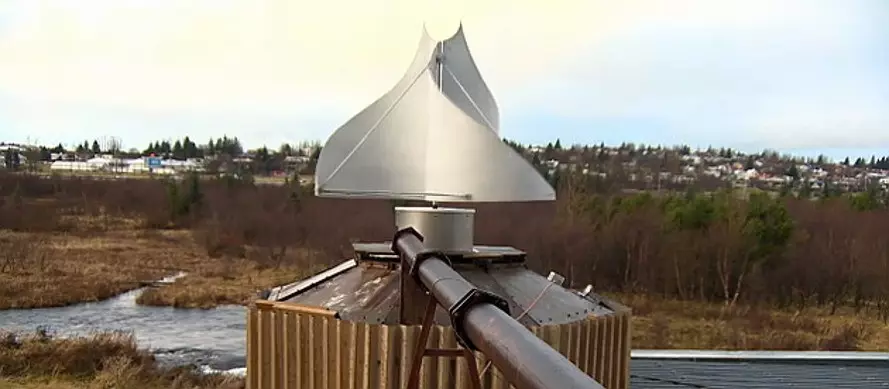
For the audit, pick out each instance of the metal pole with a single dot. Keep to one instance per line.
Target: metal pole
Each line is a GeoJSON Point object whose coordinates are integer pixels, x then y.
{"type": "Point", "coordinates": [481, 322]}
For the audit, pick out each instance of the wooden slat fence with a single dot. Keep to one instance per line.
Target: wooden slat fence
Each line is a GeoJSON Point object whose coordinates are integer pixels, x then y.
{"type": "Point", "coordinates": [296, 347]}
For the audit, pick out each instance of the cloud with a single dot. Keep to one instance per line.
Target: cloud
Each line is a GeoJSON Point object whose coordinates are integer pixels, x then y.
{"type": "Point", "coordinates": [796, 73]}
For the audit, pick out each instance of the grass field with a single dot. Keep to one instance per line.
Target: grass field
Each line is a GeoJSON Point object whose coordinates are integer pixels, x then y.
{"type": "Point", "coordinates": [102, 259]}
{"type": "Point", "coordinates": [670, 324]}
{"type": "Point", "coordinates": [100, 361]}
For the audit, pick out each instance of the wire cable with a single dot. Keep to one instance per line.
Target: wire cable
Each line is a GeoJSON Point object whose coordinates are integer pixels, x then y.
{"type": "Point", "coordinates": [525, 312]}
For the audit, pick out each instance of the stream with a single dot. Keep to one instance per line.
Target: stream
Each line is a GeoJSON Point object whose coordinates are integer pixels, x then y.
{"type": "Point", "coordinates": [213, 339]}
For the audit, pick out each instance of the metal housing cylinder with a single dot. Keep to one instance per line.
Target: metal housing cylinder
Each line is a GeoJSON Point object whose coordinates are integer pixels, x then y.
{"type": "Point", "coordinates": [449, 230]}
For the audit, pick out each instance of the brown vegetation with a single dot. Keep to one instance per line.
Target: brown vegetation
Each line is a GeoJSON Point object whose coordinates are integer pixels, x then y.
{"type": "Point", "coordinates": [100, 361]}
{"type": "Point", "coordinates": [819, 268]}
{"type": "Point", "coordinates": [660, 323]}
{"type": "Point", "coordinates": [43, 270]}
{"type": "Point", "coordinates": [222, 282]}
{"type": "Point", "coordinates": [46, 270]}
{"type": "Point", "coordinates": [66, 240]}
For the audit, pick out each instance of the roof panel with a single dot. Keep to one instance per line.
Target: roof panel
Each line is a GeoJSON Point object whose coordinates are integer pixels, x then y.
{"type": "Point", "coordinates": [556, 306]}
{"type": "Point", "coordinates": [364, 293]}
{"type": "Point", "coordinates": [369, 292]}
{"type": "Point", "coordinates": [656, 374]}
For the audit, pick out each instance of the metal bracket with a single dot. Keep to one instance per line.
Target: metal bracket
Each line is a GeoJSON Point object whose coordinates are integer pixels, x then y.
{"type": "Point", "coordinates": [421, 256]}
{"type": "Point", "coordinates": [420, 351]}
{"type": "Point", "coordinates": [405, 231]}
{"type": "Point", "coordinates": [472, 298]}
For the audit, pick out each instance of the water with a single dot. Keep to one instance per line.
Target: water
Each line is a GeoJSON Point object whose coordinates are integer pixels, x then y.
{"type": "Point", "coordinates": [211, 338]}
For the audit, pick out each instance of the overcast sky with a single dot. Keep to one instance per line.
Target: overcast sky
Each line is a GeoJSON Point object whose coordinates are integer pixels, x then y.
{"type": "Point", "coordinates": [799, 76]}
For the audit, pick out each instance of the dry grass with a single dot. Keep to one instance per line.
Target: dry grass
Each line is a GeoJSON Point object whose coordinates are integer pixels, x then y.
{"type": "Point", "coordinates": [670, 324]}
{"type": "Point", "coordinates": [100, 361]}
{"type": "Point", "coordinates": [106, 257]}
{"type": "Point", "coordinates": [57, 269]}
{"type": "Point", "coordinates": [219, 282]}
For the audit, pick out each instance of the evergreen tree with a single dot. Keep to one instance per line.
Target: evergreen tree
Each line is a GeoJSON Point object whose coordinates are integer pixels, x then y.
{"type": "Point", "coordinates": [792, 172]}
{"type": "Point", "coordinates": [178, 152]}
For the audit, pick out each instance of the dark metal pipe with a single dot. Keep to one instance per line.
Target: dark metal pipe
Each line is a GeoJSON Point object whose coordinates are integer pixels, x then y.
{"type": "Point", "coordinates": [450, 286]}
{"type": "Point", "coordinates": [526, 361]}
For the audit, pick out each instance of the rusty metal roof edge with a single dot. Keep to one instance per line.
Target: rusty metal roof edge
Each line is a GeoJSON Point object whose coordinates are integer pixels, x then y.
{"type": "Point", "coordinates": [857, 358]}
{"type": "Point", "coordinates": [290, 290]}
{"type": "Point", "coordinates": [610, 303]}
{"type": "Point", "coordinates": [399, 325]}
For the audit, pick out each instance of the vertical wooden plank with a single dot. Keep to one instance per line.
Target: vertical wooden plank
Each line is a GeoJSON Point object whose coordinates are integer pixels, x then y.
{"type": "Point", "coordinates": [361, 356]}
{"type": "Point", "coordinates": [313, 366]}
{"type": "Point", "coordinates": [565, 340]}
{"type": "Point", "coordinates": [626, 321]}
{"type": "Point", "coordinates": [615, 359]}
{"type": "Point", "coordinates": [570, 342]}
{"type": "Point", "coordinates": [349, 335]}
{"type": "Point", "coordinates": [583, 343]}
{"type": "Point", "coordinates": [609, 341]}
{"type": "Point", "coordinates": [373, 365]}
{"type": "Point", "coordinates": [384, 350]}
{"type": "Point", "coordinates": [305, 351]}
{"type": "Point", "coordinates": [396, 338]}
{"type": "Point", "coordinates": [322, 330]}
{"type": "Point", "coordinates": [618, 351]}
{"type": "Point", "coordinates": [600, 349]}
{"type": "Point", "coordinates": [278, 348]}
{"type": "Point", "coordinates": [317, 351]}
{"type": "Point", "coordinates": [292, 340]}
{"type": "Point", "coordinates": [411, 333]}
{"type": "Point", "coordinates": [334, 349]}
{"type": "Point", "coordinates": [603, 350]}
{"type": "Point", "coordinates": [628, 328]}
{"type": "Point", "coordinates": [285, 346]}
{"type": "Point", "coordinates": [252, 348]}
{"type": "Point", "coordinates": [265, 349]}
{"type": "Point", "coordinates": [553, 337]}
{"type": "Point", "coordinates": [576, 345]}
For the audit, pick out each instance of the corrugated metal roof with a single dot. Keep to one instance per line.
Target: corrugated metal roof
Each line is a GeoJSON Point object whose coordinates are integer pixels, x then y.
{"type": "Point", "coordinates": [677, 374]}
{"type": "Point", "coordinates": [880, 359]}
{"type": "Point", "coordinates": [369, 291]}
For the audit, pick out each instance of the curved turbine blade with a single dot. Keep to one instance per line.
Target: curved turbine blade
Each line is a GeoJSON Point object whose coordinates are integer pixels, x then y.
{"type": "Point", "coordinates": [434, 136]}
{"type": "Point", "coordinates": [462, 83]}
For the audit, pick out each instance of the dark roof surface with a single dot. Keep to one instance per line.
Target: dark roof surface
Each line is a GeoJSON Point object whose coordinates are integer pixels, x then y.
{"type": "Point", "coordinates": [368, 291]}
{"type": "Point", "coordinates": [678, 374]}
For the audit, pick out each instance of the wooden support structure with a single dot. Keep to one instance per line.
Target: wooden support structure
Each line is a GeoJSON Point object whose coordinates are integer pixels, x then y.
{"type": "Point", "coordinates": [287, 344]}
{"type": "Point", "coordinates": [420, 351]}
{"type": "Point", "coordinates": [297, 308]}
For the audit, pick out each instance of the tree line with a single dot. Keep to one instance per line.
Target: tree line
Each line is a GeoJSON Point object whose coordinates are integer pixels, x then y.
{"type": "Point", "coordinates": [186, 148]}
{"type": "Point", "coordinates": [722, 246]}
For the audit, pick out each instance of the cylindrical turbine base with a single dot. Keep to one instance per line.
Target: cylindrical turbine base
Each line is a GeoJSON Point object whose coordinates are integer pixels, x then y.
{"type": "Point", "coordinates": [448, 230]}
